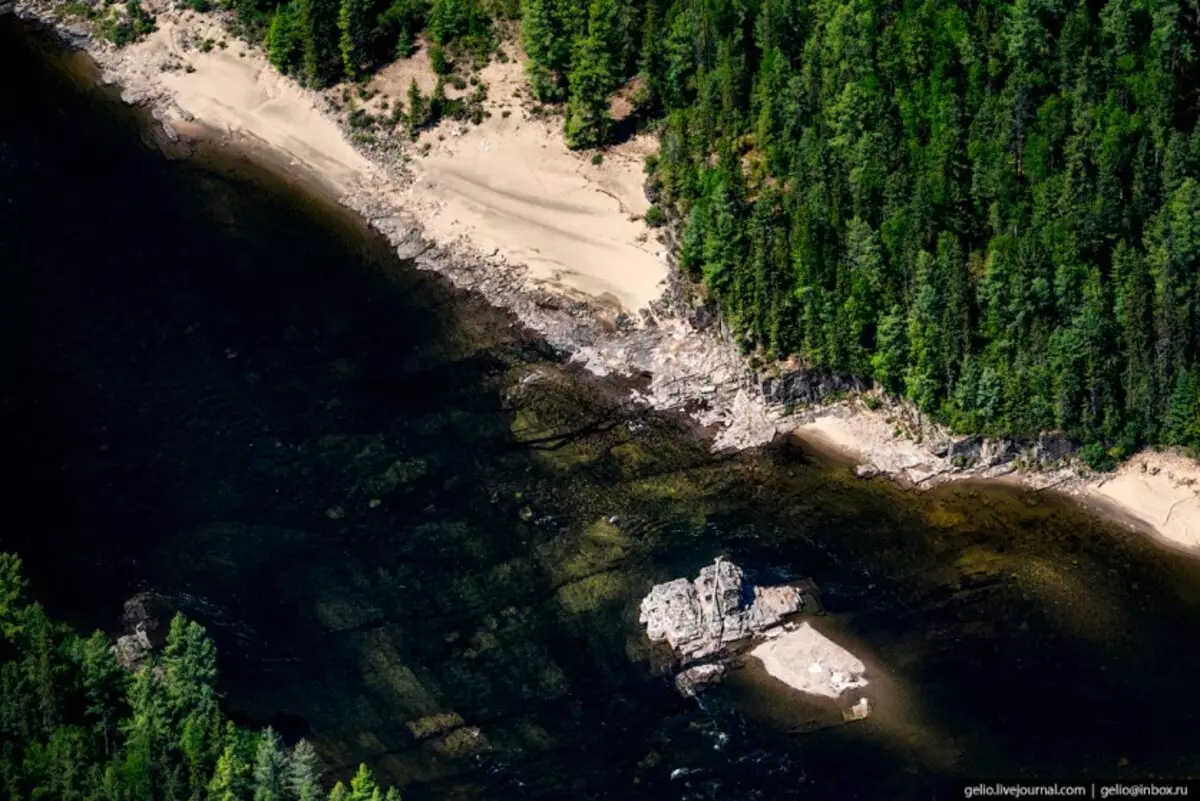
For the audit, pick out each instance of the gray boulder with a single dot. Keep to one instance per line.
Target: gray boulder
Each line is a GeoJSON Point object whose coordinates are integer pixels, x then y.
{"type": "Point", "coordinates": [697, 679]}
{"type": "Point", "coordinates": [131, 650]}
{"type": "Point", "coordinates": [1052, 447]}
{"type": "Point", "coordinates": [699, 618]}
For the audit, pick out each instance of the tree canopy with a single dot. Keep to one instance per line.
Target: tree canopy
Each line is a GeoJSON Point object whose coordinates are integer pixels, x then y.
{"type": "Point", "coordinates": [76, 726]}
{"type": "Point", "coordinates": [990, 208]}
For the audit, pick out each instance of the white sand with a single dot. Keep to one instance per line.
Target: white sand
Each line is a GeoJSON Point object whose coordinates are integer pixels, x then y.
{"type": "Point", "coordinates": [512, 188]}
{"type": "Point", "coordinates": [870, 440]}
{"type": "Point", "coordinates": [810, 662]}
{"type": "Point", "coordinates": [1159, 490]}
{"type": "Point", "coordinates": [238, 95]}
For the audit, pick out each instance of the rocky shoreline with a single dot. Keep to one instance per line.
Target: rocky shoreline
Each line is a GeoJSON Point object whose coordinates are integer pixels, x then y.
{"type": "Point", "coordinates": [680, 348]}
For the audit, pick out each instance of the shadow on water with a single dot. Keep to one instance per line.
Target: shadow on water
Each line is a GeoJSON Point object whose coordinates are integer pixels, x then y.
{"type": "Point", "coordinates": [420, 539]}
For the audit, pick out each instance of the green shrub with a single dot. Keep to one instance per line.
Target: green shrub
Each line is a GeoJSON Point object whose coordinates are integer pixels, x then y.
{"type": "Point", "coordinates": [437, 57]}
{"type": "Point", "coordinates": [655, 217]}
{"type": "Point", "coordinates": [1095, 456]}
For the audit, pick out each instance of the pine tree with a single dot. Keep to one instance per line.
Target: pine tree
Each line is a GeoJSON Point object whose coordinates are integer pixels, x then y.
{"type": "Point", "coordinates": [544, 46]}
{"type": "Point", "coordinates": [12, 590]}
{"type": "Point", "coordinates": [355, 40]}
{"type": "Point", "coordinates": [230, 778]}
{"type": "Point", "coordinates": [189, 669]}
{"type": "Point", "coordinates": [417, 114]}
{"type": "Point", "coordinates": [302, 773]}
{"type": "Point", "coordinates": [593, 77]}
{"type": "Point", "coordinates": [270, 767]}
{"type": "Point", "coordinates": [362, 786]}
{"type": "Point", "coordinates": [318, 31]}
{"type": "Point", "coordinates": [285, 48]}
{"type": "Point", "coordinates": [103, 684]}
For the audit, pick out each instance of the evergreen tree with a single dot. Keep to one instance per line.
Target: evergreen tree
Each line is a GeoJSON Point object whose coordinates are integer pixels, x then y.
{"type": "Point", "coordinates": [417, 113]}
{"type": "Point", "coordinates": [593, 77]}
{"type": "Point", "coordinates": [362, 786]}
{"type": "Point", "coordinates": [318, 25]}
{"type": "Point", "coordinates": [189, 669]}
{"type": "Point", "coordinates": [301, 773]}
{"type": "Point", "coordinates": [74, 726]}
{"type": "Point", "coordinates": [230, 778]}
{"type": "Point", "coordinates": [270, 767]}
{"type": "Point", "coordinates": [285, 48]}
{"type": "Point", "coordinates": [355, 40]}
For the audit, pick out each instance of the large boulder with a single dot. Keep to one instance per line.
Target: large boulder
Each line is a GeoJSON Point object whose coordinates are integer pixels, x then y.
{"type": "Point", "coordinates": [1052, 448]}
{"type": "Point", "coordinates": [804, 387]}
{"type": "Point", "coordinates": [699, 618]}
{"type": "Point", "coordinates": [132, 650]}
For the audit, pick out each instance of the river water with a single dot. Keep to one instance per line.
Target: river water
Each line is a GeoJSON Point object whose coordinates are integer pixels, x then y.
{"type": "Point", "coordinates": [390, 506]}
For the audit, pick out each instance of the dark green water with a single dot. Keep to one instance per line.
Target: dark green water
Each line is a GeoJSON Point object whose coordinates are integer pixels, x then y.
{"type": "Point", "coordinates": [389, 506]}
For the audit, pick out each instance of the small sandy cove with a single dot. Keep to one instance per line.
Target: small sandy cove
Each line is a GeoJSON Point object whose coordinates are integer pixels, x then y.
{"type": "Point", "coordinates": [509, 189]}
{"type": "Point", "coordinates": [506, 188]}
{"type": "Point", "coordinates": [1158, 490]}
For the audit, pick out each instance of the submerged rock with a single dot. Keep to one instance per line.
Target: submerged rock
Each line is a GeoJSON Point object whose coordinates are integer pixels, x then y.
{"type": "Point", "coordinates": [699, 618]}
{"type": "Point", "coordinates": [860, 711]}
{"type": "Point", "coordinates": [697, 679]}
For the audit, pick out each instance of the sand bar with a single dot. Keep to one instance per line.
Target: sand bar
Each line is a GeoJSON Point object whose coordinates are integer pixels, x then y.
{"type": "Point", "coordinates": [810, 662]}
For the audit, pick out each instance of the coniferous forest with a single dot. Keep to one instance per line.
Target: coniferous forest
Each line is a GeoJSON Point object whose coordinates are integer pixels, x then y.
{"type": "Point", "coordinates": [991, 208]}
{"type": "Point", "coordinates": [76, 726]}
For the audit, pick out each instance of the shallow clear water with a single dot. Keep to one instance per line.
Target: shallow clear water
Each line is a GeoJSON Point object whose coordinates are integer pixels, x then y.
{"type": "Point", "coordinates": [389, 505]}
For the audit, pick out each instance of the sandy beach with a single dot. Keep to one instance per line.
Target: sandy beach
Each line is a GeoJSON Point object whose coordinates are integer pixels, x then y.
{"type": "Point", "coordinates": [505, 209]}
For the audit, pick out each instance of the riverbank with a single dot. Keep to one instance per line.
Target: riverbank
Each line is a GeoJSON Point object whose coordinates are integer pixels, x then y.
{"type": "Point", "coordinates": [504, 209]}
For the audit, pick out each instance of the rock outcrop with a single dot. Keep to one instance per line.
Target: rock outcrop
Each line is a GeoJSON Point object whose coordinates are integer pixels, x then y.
{"type": "Point", "coordinates": [699, 618]}
{"type": "Point", "coordinates": [131, 650]}
{"type": "Point", "coordinates": [1053, 447]}
{"type": "Point", "coordinates": [804, 387]}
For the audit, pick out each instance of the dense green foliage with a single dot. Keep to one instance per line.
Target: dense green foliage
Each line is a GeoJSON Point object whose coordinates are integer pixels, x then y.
{"type": "Point", "coordinates": [75, 726]}
{"type": "Point", "coordinates": [118, 23]}
{"type": "Point", "coordinates": [990, 207]}
{"type": "Point", "coordinates": [325, 41]}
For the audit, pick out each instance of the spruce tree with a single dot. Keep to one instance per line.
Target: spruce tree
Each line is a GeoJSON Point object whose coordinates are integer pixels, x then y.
{"type": "Point", "coordinates": [593, 77]}
{"type": "Point", "coordinates": [355, 40]}
{"type": "Point", "coordinates": [230, 777]}
{"type": "Point", "coordinates": [285, 43]}
{"type": "Point", "coordinates": [318, 26]}
{"type": "Point", "coordinates": [301, 774]}
{"type": "Point", "coordinates": [270, 767]}
{"type": "Point", "coordinates": [362, 786]}
{"type": "Point", "coordinates": [189, 669]}
{"type": "Point", "coordinates": [416, 109]}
